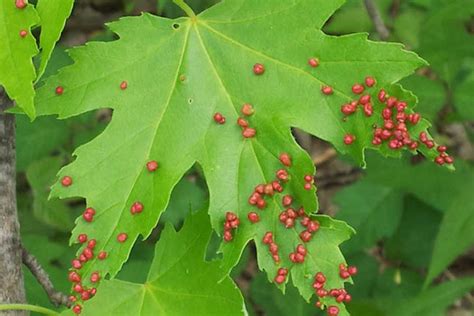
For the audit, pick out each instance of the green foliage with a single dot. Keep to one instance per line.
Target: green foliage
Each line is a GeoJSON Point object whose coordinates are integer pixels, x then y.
{"type": "Point", "coordinates": [275, 303]}
{"type": "Point", "coordinates": [455, 233]}
{"type": "Point", "coordinates": [434, 300]}
{"type": "Point", "coordinates": [53, 16]}
{"type": "Point", "coordinates": [412, 220]}
{"type": "Point", "coordinates": [208, 69]}
{"type": "Point", "coordinates": [41, 175]}
{"type": "Point", "coordinates": [179, 282]}
{"type": "Point", "coordinates": [17, 72]}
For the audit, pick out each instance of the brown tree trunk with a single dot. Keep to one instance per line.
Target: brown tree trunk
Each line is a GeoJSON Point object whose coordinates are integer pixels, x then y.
{"type": "Point", "coordinates": [12, 288]}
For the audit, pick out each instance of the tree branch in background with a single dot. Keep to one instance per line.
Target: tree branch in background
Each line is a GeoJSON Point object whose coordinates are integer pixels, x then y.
{"type": "Point", "coordinates": [11, 276]}
{"type": "Point", "coordinates": [57, 298]}
{"type": "Point", "coordinates": [374, 14]}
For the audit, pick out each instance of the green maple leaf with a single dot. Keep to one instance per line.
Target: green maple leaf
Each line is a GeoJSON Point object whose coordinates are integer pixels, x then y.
{"type": "Point", "coordinates": [17, 72]}
{"type": "Point", "coordinates": [179, 281]}
{"type": "Point", "coordinates": [53, 15]}
{"type": "Point", "coordinates": [178, 74]}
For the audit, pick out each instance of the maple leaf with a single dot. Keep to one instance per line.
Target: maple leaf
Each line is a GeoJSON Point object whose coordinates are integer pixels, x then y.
{"type": "Point", "coordinates": [165, 79]}
{"type": "Point", "coordinates": [17, 72]}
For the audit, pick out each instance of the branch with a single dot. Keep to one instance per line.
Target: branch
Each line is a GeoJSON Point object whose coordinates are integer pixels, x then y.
{"type": "Point", "coordinates": [374, 14]}
{"type": "Point", "coordinates": [11, 276]}
{"type": "Point", "coordinates": [55, 297]}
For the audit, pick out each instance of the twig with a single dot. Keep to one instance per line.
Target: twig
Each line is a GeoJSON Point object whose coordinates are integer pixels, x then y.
{"type": "Point", "coordinates": [374, 14]}
{"type": "Point", "coordinates": [57, 298]}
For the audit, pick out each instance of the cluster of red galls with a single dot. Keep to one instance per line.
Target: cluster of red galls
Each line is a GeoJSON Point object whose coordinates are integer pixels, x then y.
{"type": "Point", "coordinates": [340, 295]}
{"type": "Point", "coordinates": [231, 223]}
{"type": "Point", "coordinates": [272, 246]}
{"type": "Point", "coordinates": [88, 252]}
{"type": "Point", "coordinates": [396, 120]}
{"type": "Point", "coordinates": [247, 110]}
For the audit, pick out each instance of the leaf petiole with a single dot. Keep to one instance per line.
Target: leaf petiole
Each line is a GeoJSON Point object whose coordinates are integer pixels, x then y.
{"type": "Point", "coordinates": [27, 307]}
{"type": "Point", "coordinates": [186, 8]}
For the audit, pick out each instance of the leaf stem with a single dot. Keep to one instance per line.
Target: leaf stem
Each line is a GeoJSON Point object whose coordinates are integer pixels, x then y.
{"type": "Point", "coordinates": [186, 8]}
{"type": "Point", "coordinates": [27, 307]}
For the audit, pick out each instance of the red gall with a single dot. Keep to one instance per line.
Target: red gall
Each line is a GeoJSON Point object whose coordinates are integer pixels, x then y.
{"type": "Point", "coordinates": [258, 69]}
{"type": "Point", "coordinates": [249, 132]}
{"type": "Point", "coordinates": [66, 181]}
{"type": "Point", "coordinates": [152, 165]}
{"type": "Point", "coordinates": [247, 109]}
{"type": "Point", "coordinates": [285, 159]}
{"type": "Point", "coordinates": [357, 88]}
{"type": "Point", "coordinates": [369, 81]}
{"type": "Point", "coordinates": [327, 90]}
{"type": "Point", "coordinates": [313, 62]}
{"type": "Point", "coordinates": [253, 217]}
{"type": "Point", "coordinates": [122, 237]}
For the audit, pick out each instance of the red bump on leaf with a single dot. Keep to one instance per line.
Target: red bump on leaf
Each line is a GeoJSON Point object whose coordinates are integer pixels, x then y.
{"type": "Point", "coordinates": [74, 277]}
{"type": "Point", "coordinates": [305, 236]}
{"type": "Point", "coordinates": [20, 4]}
{"type": "Point", "coordinates": [123, 85]}
{"type": "Point", "coordinates": [258, 69]}
{"type": "Point", "coordinates": [349, 139]}
{"type": "Point", "coordinates": [352, 270]}
{"type": "Point", "coordinates": [268, 238]}
{"type": "Point", "coordinates": [253, 217]}
{"type": "Point", "coordinates": [382, 96]}
{"type": "Point", "coordinates": [77, 288]}
{"type": "Point", "coordinates": [369, 81]}
{"type": "Point", "coordinates": [285, 159]}
{"type": "Point", "coordinates": [95, 277]}
{"type": "Point", "coordinates": [249, 132]}
{"type": "Point", "coordinates": [136, 208]}
{"type": "Point", "coordinates": [242, 122]}
{"type": "Point", "coordinates": [102, 255]}
{"type": "Point", "coordinates": [23, 33]}
{"type": "Point", "coordinates": [66, 181]}
{"type": "Point", "coordinates": [313, 62]}
{"type": "Point", "coordinates": [152, 165]}
{"type": "Point", "coordinates": [122, 237]}
{"type": "Point", "coordinates": [85, 296]}
{"type": "Point", "coordinates": [219, 118]}
{"type": "Point", "coordinates": [88, 217]}
{"type": "Point", "coordinates": [91, 244]}
{"type": "Point", "coordinates": [76, 264]}
{"type": "Point", "coordinates": [307, 186]}
{"type": "Point", "coordinates": [82, 238]}
{"type": "Point", "coordinates": [358, 88]}
{"type": "Point", "coordinates": [327, 90]}
{"type": "Point", "coordinates": [282, 174]}
{"type": "Point", "coordinates": [333, 311]}
{"type": "Point", "coordinates": [287, 200]}
{"type": "Point", "coordinates": [247, 109]}
{"type": "Point", "coordinates": [59, 90]}
{"type": "Point", "coordinates": [76, 309]}
{"type": "Point", "coordinates": [279, 279]}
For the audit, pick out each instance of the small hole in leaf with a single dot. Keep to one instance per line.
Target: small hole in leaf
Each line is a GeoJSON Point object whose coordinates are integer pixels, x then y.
{"type": "Point", "coordinates": [190, 100]}
{"type": "Point", "coordinates": [176, 26]}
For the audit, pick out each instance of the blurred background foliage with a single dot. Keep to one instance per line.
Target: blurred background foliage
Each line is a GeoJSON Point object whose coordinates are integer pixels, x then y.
{"type": "Point", "coordinates": [415, 221]}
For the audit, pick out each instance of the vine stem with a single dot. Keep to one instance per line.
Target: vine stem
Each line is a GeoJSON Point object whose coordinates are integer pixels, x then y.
{"type": "Point", "coordinates": [186, 8]}
{"type": "Point", "coordinates": [27, 307]}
